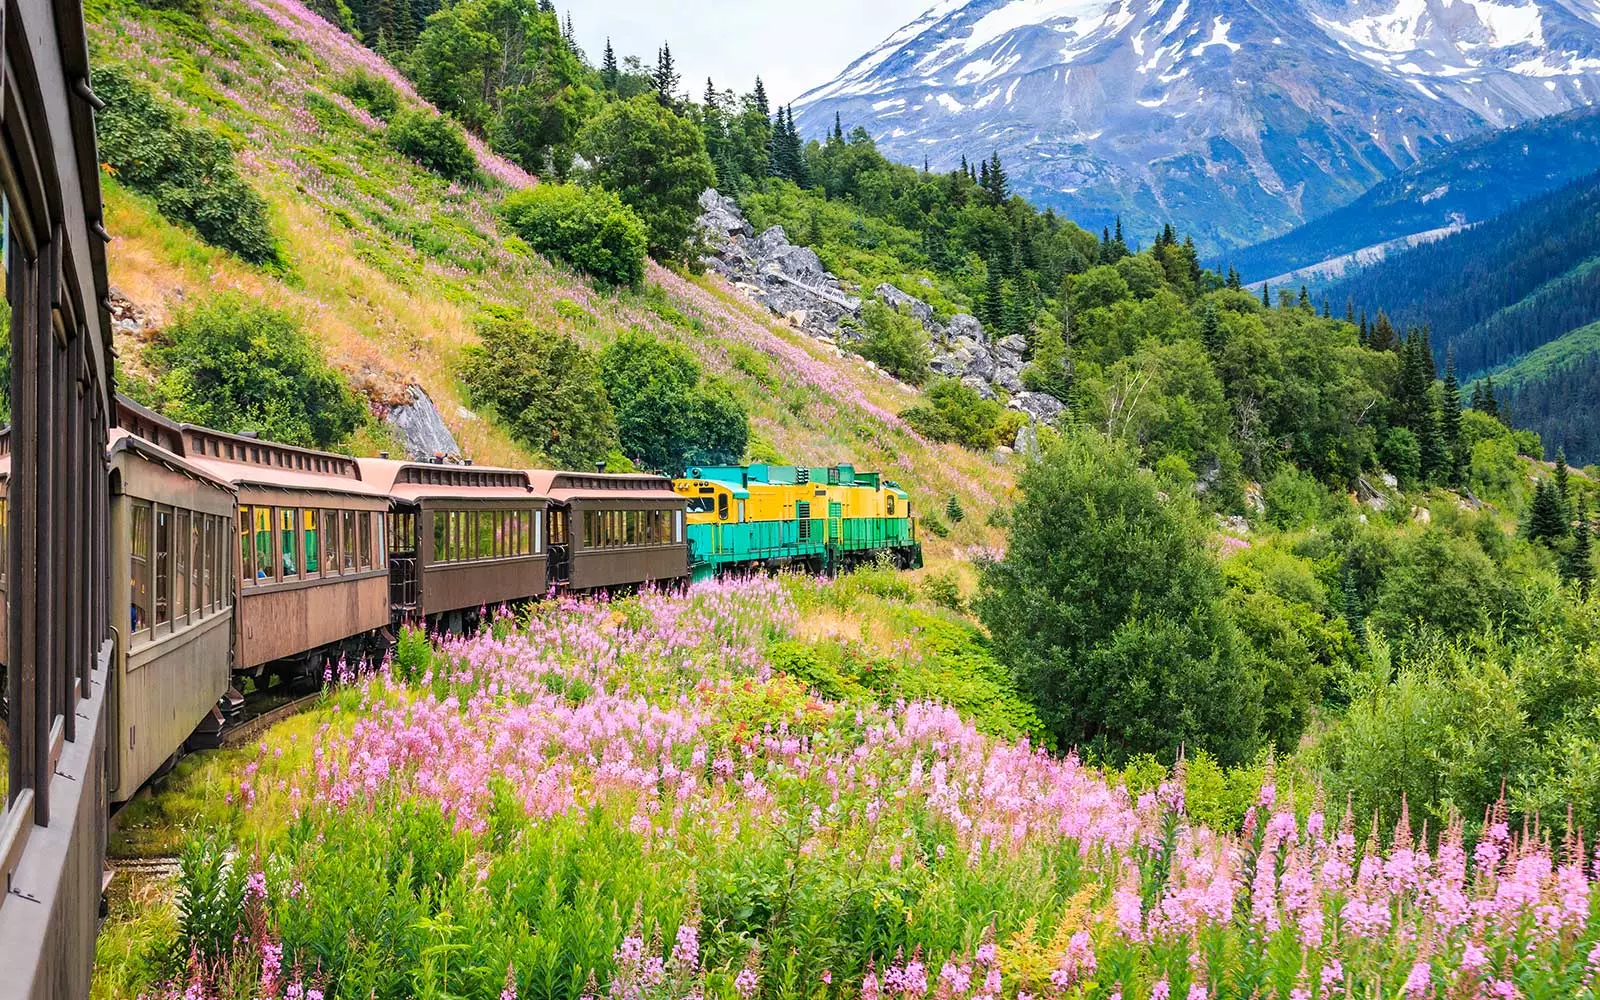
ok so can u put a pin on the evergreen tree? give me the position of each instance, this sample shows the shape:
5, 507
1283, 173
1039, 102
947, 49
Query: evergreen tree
568, 34
992, 307
547, 7
964, 168
1327, 308
609, 73
1211, 329
1483, 398
838, 133
1019, 310
1383, 337
1547, 522
1235, 283
1580, 558
666, 75
998, 187
1191, 256
1450, 421
1266, 296
759, 97
953, 512
1563, 480
1364, 337
1304, 302
1350, 311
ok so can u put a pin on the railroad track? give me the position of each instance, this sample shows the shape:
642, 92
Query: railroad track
245, 730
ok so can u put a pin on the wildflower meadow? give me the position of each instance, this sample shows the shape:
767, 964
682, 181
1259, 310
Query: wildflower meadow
627, 799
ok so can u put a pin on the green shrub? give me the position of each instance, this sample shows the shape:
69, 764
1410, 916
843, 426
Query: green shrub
434, 141
236, 365
952, 411
668, 418
189, 171
590, 229
894, 341
370, 91
543, 387
1401, 454
1294, 499
944, 590
210, 898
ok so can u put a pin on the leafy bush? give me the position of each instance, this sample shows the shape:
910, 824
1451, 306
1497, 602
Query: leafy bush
232, 364
370, 91
189, 171
210, 898
894, 341
590, 229
944, 590
667, 417
434, 141
1108, 608
655, 160
544, 388
1294, 499
1401, 454
952, 411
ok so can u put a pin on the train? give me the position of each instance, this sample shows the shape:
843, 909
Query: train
253, 565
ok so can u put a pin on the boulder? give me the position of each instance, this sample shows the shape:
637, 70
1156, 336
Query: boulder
978, 385
1013, 346
1040, 407
720, 219
1027, 441
1008, 377
421, 429
899, 301
964, 326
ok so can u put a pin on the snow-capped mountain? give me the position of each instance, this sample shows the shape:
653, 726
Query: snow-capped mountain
1237, 119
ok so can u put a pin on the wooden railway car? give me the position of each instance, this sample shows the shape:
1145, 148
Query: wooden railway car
172, 588
461, 537
772, 517
609, 530
311, 558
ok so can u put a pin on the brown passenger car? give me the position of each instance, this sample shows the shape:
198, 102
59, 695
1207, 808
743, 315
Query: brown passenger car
611, 530
460, 537
171, 591
310, 554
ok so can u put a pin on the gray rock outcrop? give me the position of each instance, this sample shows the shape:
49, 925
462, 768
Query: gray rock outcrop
422, 430
792, 281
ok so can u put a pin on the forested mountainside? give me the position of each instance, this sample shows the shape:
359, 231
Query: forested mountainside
1235, 121
1496, 293
1466, 183
1555, 390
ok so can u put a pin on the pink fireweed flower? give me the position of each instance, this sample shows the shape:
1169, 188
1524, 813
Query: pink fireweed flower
1419, 983
1161, 990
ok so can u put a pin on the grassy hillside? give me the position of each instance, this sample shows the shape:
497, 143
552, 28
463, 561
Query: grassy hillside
387, 264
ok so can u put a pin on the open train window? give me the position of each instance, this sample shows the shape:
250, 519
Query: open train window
207, 558
246, 573
163, 565
197, 562
265, 559
180, 566
330, 542
722, 507
349, 540
139, 569
364, 528
289, 542
308, 520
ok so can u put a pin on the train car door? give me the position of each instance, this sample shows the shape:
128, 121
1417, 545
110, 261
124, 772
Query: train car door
402, 531
558, 518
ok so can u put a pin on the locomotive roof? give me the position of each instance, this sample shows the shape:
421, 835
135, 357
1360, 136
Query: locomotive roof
562, 486
426, 480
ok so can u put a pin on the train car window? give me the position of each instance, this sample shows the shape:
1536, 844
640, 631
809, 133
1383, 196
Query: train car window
330, 542
222, 571
308, 522
288, 542
889, 504
741, 511
266, 561
180, 566
701, 505
139, 569
486, 539
441, 526
245, 572
364, 526
207, 561
350, 552
5, 534
558, 529
502, 521
163, 565
380, 545
722, 507
678, 534
197, 562
538, 531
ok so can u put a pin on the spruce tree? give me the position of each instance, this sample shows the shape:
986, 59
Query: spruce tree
1350, 311
1489, 404
666, 75
1547, 522
568, 34
1580, 558
992, 307
953, 512
999, 189
1266, 296
1304, 302
1235, 283
609, 73
1365, 333
1383, 337
1563, 479
1450, 421
1327, 308
1211, 329
759, 98
1191, 255
838, 133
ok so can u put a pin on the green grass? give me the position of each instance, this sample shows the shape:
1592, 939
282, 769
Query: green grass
1554, 356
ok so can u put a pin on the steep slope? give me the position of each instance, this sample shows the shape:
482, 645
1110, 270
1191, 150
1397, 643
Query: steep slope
1464, 184
1238, 119
388, 264
1555, 390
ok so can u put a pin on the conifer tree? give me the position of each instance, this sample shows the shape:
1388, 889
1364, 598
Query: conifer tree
1235, 283
1327, 308
983, 174
998, 186
609, 73
1383, 337
568, 34
992, 307
759, 98
1580, 558
1450, 420
1547, 522
1483, 398
953, 512
666, 75
1365, 334
1563, 479
964, 168
547, 7
1304, 302
1350, 311
838, 133
1266, 296
1211, 329
1192, 256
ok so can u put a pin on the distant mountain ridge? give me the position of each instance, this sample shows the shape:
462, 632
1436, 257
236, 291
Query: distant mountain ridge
1470, 182
1236, 119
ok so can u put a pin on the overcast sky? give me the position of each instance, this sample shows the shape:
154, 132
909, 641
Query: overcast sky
793, 45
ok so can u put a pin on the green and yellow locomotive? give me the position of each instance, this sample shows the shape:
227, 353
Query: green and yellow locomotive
777, 516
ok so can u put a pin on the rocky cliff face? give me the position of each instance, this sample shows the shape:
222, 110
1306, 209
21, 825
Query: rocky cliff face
792, 282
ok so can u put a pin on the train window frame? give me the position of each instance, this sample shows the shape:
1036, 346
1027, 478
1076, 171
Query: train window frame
288, 520
722, 506
139, 565
208, 586
347, 542
380, 540
180, 567
538, 532
364, 539
310, 543
163, 574
439, 523
265, 530
329, 535
197, 607
247, 549
678, 535
889, 504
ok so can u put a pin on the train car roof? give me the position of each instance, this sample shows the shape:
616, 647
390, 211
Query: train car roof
428, 481
564, 486
121, 440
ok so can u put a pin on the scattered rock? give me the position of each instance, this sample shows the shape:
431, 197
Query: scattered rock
1040, 407
1234, 523
1390, 481
422, 430
899, 301
1027, 441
